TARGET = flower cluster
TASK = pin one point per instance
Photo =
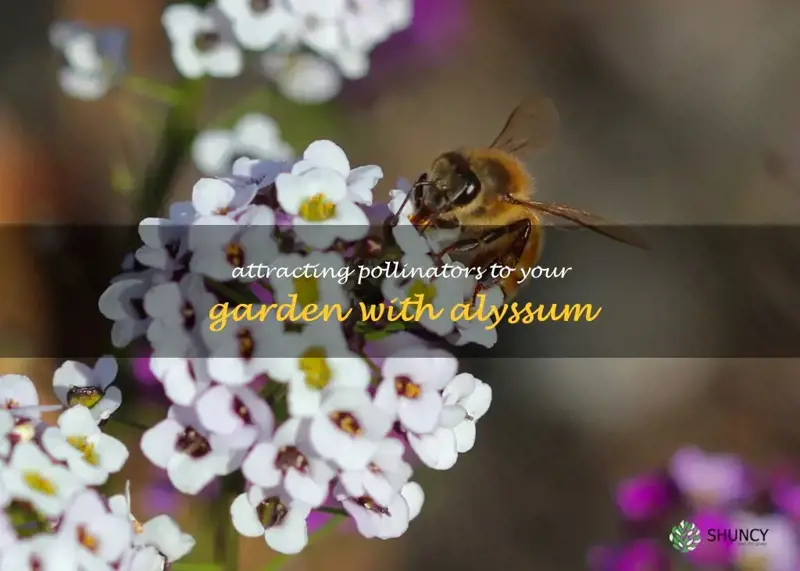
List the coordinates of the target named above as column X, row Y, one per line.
column 715, row 492
column 303, row 416
column 305, row 47
column 52, row 517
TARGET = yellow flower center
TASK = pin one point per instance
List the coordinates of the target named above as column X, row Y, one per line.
column 234, row 254
column 307, row 290
column 318, row 208
column 38, row 483
column 246, row 343
column 23, row 432
column 427, row 291
column 88, row 540
column 82, row 444
column 347, row 423
column 314, row 365
column 407, row 388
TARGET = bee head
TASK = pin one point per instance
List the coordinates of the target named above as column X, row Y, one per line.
column 451, row 184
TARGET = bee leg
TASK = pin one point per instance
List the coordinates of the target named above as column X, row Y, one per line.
column 510, row 259
column 520, row 227
column 414, row 195
column 479, row 289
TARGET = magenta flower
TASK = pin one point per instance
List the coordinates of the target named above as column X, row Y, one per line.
column 708, row 552
column 787, row 500
column 142, row 372
column 644, row 497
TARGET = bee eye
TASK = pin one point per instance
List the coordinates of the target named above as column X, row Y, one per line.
column 470, row 188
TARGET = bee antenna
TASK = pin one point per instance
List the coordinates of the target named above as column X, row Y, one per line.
column 396, row 218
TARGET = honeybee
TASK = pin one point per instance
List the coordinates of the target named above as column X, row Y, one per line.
column 487, row 193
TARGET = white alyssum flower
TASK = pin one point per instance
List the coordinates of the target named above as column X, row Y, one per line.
column 183, row 378
column 213, row 197
column 89, row 453
column 259, row 24
column 122, row 302
column 7, row 424
column 199, row 45
column 177, row 306
column 8, row 536
column 75, row 383
column 180, row 445
column 435, row 297
column 383, row 477
column 302, row 77
column 255, row 136
column 466, row 400
column 476, row 331
column 317, row 360
column 158, row 541
column 94, row 58
column 163, row 535
column 387, row 521
column 367, row 23
column 52, row 552
column 244, row 350
column 348, row 428
column 165, row 240
column 271, row 514
column 322, row 291
column 316, row 199
column 328, row 155
column 261, row 173
column 289, row 461
column 102, row 537
column 31, row 476
column 222, row 248
column 411, row 388
column 235, row 416
column 345, row 32
column 18, row 392
column 475, row 397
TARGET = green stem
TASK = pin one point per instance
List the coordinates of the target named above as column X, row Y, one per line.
column 233, row 295
column 180, row 129
column 128, row 423
column 151, row 89
column 334, row 511
column 227, row 538
column 278, row 562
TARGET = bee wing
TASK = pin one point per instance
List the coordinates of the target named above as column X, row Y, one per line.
column 587, row 220
column 532, row 126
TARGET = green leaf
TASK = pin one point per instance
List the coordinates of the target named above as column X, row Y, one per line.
column 152, row 89
column 376, row 335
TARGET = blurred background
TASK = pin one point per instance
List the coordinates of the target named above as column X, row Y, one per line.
column 673, row 111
